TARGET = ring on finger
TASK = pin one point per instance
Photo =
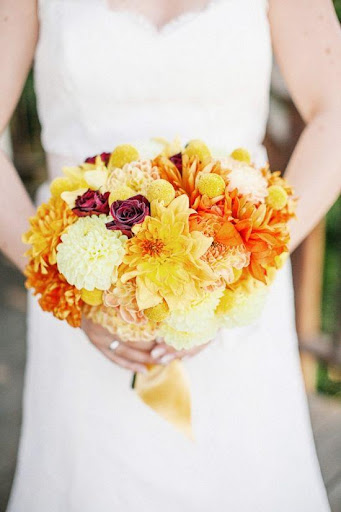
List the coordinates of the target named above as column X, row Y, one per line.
column 114, row 345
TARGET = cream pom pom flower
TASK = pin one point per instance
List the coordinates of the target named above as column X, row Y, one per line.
column 243, row 305
column 90, row 254
column 197, row 316
column 247, row 179
column 194, row 325
column 183, row 340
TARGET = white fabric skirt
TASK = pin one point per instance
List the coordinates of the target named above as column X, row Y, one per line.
column 89, row 444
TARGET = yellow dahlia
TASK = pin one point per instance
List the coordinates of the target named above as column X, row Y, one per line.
column 47, row 226
column 90, row 254
column 165, row 258
column 110, row 319
column 135, row 175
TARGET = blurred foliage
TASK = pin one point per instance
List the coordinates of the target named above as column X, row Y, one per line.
column 332, row 271
column 337, row 5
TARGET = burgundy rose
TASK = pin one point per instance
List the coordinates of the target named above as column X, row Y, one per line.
column 127, row 213
column 91, row 202
column 104, row 157
column 177, row 161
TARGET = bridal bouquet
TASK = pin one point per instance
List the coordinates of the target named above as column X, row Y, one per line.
column 175, row 244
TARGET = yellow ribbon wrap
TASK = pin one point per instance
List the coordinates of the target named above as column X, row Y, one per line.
column 166, row 390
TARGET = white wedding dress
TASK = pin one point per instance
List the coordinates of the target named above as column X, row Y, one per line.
column 88, row 443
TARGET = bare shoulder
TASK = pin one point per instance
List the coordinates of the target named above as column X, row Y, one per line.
column 17, row 8
column 18, row 38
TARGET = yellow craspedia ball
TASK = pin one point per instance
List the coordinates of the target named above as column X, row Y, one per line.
column 197, row 148
column 121, row 193
column 242, row 155
column 227, row 302
column 277, row 197
column 60, row 185
column 211, row 184
column 93, row 298
column 123, row 154
column 157, row 313
column 161, row 190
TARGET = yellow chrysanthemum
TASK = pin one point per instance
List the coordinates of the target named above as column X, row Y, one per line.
column 46, row 228
column 90, row 254
column 111, row 320
column 165, row 258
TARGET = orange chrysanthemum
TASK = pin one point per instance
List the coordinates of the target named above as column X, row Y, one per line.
column 56, row 294
column 47, row 226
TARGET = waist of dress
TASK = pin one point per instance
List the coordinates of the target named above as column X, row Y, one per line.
column 56, row 162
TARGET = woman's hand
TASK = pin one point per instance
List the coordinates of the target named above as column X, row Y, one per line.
column 134, row 356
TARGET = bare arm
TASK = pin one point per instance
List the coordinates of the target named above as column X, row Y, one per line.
column 18, row 37
column 307, row 43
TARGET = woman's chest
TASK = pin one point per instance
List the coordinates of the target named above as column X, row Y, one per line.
column 202, row 56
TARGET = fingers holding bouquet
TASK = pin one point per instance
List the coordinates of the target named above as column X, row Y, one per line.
column 134, row 356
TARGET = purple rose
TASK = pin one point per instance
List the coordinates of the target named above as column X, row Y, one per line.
column 127, row 213
column 91, row 202
column 104, row 157
column 177, row 161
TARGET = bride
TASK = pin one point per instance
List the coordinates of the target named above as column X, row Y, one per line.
column 110, row 72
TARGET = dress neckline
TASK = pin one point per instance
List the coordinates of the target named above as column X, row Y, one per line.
column 174, row 23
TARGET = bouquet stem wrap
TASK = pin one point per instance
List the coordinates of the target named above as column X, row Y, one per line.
column 166, row 390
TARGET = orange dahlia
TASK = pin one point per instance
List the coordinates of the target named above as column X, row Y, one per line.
column 56, row 294
column 264, row 233
column 47, row 226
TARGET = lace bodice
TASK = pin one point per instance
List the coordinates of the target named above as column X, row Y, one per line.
column 105, row 77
